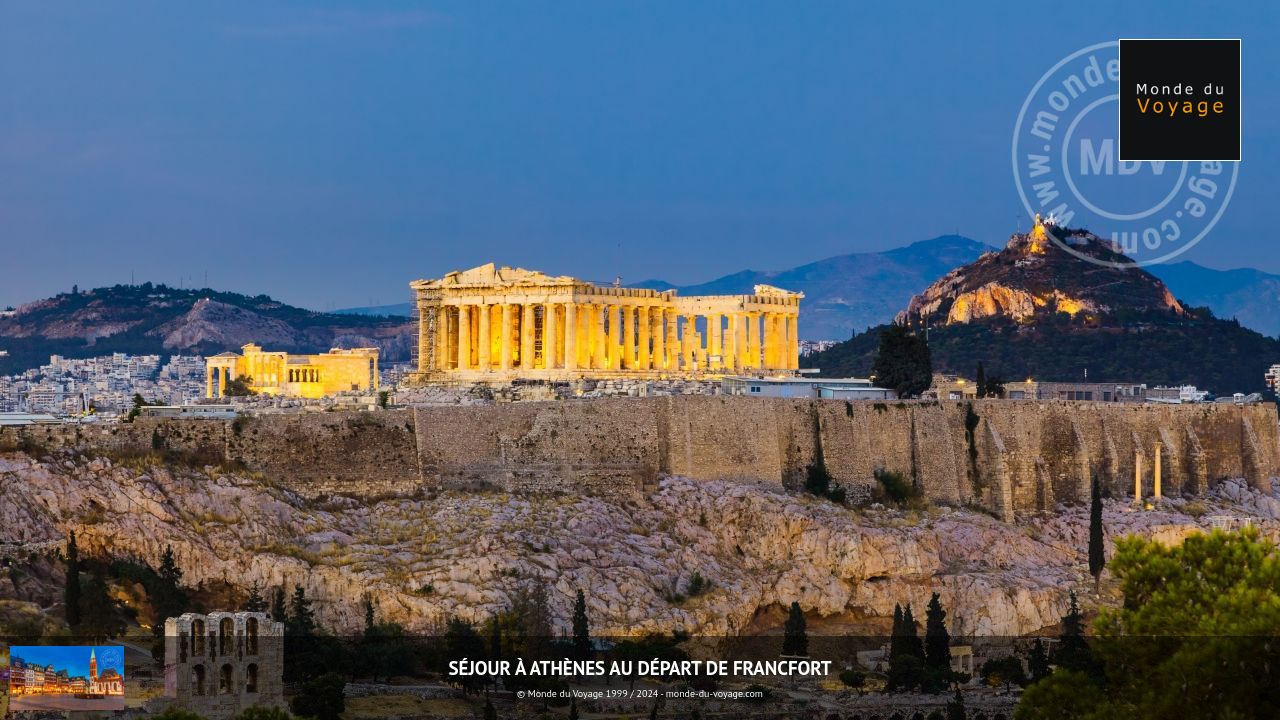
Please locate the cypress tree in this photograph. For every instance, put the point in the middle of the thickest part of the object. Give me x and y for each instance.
(955, 708)
(278, 612)
(255, 602)
(1038, 662)
(911, 634)
(981, 381)
(795, 641)
(895, 639)
(1073, 652)
(71, 596)
(489, 712)
(368, 616)
(495, 639)
(302, 620)
(1097, 554)
(581, 629)
(573, 709)
(937, 645)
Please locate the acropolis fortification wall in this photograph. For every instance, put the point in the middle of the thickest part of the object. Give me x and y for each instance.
(1009, 456)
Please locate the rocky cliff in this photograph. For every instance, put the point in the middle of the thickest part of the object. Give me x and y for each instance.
(432, 555)
(1034, 275)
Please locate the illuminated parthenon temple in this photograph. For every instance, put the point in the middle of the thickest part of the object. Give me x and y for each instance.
(501, 324)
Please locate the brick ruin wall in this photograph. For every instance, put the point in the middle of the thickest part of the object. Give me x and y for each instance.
(1008, 456)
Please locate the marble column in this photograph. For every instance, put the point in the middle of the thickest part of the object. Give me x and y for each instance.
(614, 359)
(550, 326)
(753, 340)
(444, 338)
(769, 340)
(673, 340)
(628, 337)
(792, 341)
(464, 337)
(689, 343)
(570, 336)
(715, 344)
(730, 345)
(485, 344)
(658, 328)
(208, 381)
(505, 339)
(424, 319)
(528, 323)
(642, 343)
(599, 341)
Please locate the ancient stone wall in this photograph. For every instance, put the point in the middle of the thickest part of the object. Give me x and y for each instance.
(1008, 456)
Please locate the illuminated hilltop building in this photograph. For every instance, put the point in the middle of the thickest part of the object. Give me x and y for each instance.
(282, 373)
(498, 324)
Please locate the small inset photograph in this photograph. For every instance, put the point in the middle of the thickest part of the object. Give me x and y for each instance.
(66, 677)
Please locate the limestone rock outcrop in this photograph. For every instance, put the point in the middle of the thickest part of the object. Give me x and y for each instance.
(430, 556)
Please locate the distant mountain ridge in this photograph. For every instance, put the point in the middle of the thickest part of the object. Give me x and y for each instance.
(847, 293)
(156, 319)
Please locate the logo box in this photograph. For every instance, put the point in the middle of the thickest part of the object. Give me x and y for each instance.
(1180, 100)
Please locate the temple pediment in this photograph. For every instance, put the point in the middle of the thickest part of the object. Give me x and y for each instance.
(771, 291)
(490, 275)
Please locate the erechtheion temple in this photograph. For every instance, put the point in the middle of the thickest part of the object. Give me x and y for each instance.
(501, 324)
(272, 372)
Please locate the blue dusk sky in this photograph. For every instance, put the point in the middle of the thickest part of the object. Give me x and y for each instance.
(328, 153)
(72, 658)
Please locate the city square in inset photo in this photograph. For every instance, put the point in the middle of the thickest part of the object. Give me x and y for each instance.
(66, 677)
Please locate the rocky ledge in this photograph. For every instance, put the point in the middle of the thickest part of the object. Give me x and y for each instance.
(464, 554)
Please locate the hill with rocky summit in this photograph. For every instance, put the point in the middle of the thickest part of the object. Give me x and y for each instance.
(1033, 309)
(155, 319)
(1034, 277)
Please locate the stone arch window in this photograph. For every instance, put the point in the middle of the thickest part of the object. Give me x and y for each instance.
(226, 680)
(197, 680)
(226, 636)
(197, 637)
(251, 635)
(251, 678)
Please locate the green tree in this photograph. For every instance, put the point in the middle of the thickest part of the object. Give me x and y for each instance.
(368, 615)
(495, 639)
(1037, 662)
(255, 602)
(278, 611)
(1073, 652)
(240, 386)
(463, 642)
(258, 712)
(980, 381)
(301, 621)
(98, 616)
(173, 712)
(906, 654)
(71, 595)
(795, 639)
(581, 629)
(1097, 551)
(573, 709)
(1193, 638)
(955, 708)
(321, 698)
(1004, 671)
(903, 363)
(490, 713)
(937, 646)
